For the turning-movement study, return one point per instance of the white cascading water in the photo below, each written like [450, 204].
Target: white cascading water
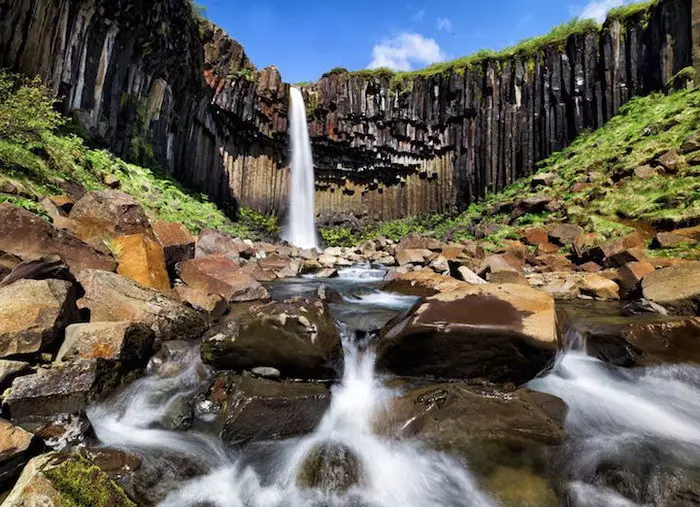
[301, 227]
[393, 472]
[639, 415]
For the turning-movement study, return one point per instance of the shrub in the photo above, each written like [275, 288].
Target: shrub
[26, 108]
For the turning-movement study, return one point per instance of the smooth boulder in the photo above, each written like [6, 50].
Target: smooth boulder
[330, 467]
[298, 337]
[34, 314]
[142, 259]
[113, 298]
[108, 214]
[676, 288]
[126, 341]
[216, 274]
[499, 332]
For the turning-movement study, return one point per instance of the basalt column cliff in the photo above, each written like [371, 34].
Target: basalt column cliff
[152, 80]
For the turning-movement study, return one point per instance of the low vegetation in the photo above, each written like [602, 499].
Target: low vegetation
[610, 181]
[38, 158]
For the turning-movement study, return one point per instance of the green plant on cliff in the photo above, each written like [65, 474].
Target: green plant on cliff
[626, 11]
[245, 73]
[26, 108]
[37, 160]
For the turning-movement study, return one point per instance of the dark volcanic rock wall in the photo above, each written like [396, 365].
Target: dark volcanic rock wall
[153, 82]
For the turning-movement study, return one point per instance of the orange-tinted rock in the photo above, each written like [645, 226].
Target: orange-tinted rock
[689, 232]
[412, 256]
[546, 249]
[676, 288]
[422, 283]
[108, 214]
[535, 236]
[630, 277]
[415, 241]
[502, 262]
[212, 305]
[217, 274]
[554, 263]
[282, 267]
[27, 235]
[177, 243]
[671, 240]
[512, 277]
[142, 259]
[119, 341]
[598, 286]
[213, 242]
[590, 267]
[564, 234]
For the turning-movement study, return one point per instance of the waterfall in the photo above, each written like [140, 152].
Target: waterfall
[301, 229]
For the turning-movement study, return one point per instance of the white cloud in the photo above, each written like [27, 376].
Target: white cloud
[419, 15]
[444, 24]
[597, 9]
[405, 49]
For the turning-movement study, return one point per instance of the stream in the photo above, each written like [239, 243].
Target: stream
[639, 424]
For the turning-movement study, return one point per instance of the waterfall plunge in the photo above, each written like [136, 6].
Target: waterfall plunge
[301, 229]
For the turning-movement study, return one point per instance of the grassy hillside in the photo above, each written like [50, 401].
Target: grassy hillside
[38, 156]
[595, 181]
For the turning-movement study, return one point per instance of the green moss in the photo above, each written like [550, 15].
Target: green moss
[82, 484]
[247, 74]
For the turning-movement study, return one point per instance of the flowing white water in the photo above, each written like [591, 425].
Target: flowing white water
[393, 472]
[641, 418]
[301, 228]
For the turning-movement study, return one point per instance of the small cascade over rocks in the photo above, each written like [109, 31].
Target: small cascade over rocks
[301, 227]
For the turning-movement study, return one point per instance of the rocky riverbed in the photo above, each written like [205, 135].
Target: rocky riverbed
[143, 365]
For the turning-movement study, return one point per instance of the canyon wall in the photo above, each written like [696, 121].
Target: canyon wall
[152, 81]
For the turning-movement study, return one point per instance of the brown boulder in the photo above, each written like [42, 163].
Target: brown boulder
[113, 298]
[282, 267]
[411, 256]
[177, 243]
[414, 241]
[108, 214]
[118, 341]
[212, 305]
[422, 283]
[213, 242]
[598, 286]
[535, 236]
[27, 235]
[142, 259]
[17, 447]
[217, 274]
[630, 277]
[671, 240]
[34, 314]
[546, 248]
[298, 337]
[676, 288]
[501, 332]
[618, 252]
[564, 234]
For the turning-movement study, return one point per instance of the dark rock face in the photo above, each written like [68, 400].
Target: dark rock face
[260, 409]
[298, 337]
[135, 75]
[330, 467]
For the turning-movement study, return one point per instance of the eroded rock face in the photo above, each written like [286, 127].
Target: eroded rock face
[424, 283]
[34, 314]
[297, 336]
[501, 332]
[28, 235]
[177, 243]
[260, 409]
[113, 298]
[17, 447]
[142, 259]
[128, 342]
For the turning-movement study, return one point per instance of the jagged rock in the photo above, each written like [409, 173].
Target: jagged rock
[8, 262]
[559, 285]
[645, 172]
[676, 288]
[421, 283]
[212, 305]
[618, 252]
[9, 369]
[546, 248]
[17, 447]
[564, 234]
[501, 262]
[691, 143]
[57, 479]
[669, 160]
[411, 256]
[543, 180]
[260, 409]
[266, 372]
[414, 241]
[43, 268]
[213, 242]
[34, 314]
[27, 235]
[282, 267]
[177, 243]
[297, 336]
[330, 467]
[35, 399]
[671, 240]
[643, 340]
[217, 274]
[535, 236]
[113, 298]
[108, 214]
[116, 463]
[127, 342]
[501, 332]
[142, 259]
[641, 307]
[469, 276]
[630, 277]
[512, 277]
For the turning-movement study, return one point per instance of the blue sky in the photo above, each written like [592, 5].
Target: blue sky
[304, 39]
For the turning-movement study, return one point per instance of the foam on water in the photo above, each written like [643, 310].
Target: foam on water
[382, 299]
[363, 273]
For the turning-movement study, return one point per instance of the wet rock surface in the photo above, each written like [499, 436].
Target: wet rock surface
[330, 467]
[298, 337]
